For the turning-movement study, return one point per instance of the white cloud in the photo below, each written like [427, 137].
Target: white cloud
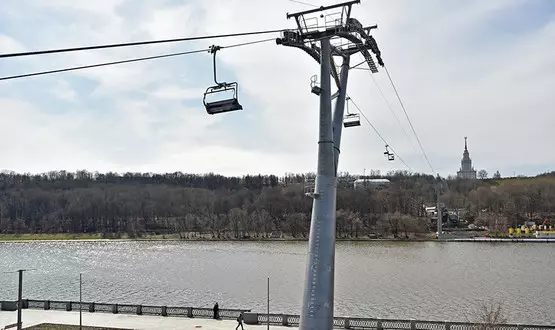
[10, 45]
[174, 92]
[453, 83]
[174, 21]
[63, 90]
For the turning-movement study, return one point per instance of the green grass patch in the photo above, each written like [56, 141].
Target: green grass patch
[54, 237]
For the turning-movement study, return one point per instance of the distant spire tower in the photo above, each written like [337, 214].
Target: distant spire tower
[466, 171]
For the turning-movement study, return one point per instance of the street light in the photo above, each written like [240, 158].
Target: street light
[80, 304]
[19, 295]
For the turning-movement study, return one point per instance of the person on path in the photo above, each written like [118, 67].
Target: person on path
[240, 322]
[216, 311]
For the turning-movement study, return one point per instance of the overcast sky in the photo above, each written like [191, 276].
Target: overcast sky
[482, 69]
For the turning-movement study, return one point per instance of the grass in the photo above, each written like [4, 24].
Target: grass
[56, 237]
[51, 326]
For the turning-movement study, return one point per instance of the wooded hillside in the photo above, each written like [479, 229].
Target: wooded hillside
[250, 206]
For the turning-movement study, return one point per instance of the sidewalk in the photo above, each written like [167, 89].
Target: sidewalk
[34, 317]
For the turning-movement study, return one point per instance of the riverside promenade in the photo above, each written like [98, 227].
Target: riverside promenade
[121, 316]
[139, 322]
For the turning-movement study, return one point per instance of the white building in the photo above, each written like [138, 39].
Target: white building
[371, 183]
[431, 211]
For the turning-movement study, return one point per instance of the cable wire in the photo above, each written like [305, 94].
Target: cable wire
[408, 118]
[378, 133]
[390, 108]
[310, 5]
[304, 3]
[139, 43]
[128, 61]
[357, 66]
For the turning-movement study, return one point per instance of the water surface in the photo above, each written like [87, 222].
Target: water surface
[425, 280]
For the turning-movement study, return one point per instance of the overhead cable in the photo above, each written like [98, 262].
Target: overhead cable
[378, 133]
[304, 3]
[128, 61]
[390, 108]
[408, 119]
[139, 43]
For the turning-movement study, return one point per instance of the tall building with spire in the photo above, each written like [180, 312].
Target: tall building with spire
[466, 171]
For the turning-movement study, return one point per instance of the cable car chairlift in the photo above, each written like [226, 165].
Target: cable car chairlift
[314, 88]
[390, 156]
[224, 105]
[351, 119]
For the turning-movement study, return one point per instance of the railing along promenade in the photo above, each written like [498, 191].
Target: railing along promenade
[260, 318]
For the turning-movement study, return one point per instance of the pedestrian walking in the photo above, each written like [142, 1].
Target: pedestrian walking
[240, 322]
[216, 311]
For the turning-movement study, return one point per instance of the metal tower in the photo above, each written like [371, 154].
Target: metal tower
[339, 35]
[439, 210]
[441, 186]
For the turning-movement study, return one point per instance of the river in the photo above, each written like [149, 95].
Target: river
[420, 280]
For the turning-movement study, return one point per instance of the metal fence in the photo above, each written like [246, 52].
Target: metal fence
[123, 308]
[388, 324]
[275, 319]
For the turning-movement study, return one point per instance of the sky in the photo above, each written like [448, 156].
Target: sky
[481, 69]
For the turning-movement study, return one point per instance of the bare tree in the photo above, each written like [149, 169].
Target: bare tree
[482, 174]
[488, 314]
[194, 205]
[236, 216]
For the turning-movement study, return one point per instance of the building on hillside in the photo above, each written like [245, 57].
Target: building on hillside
[372, 184]
[466, 171]
[431, 211]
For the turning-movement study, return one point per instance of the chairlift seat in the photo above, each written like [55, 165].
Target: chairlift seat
[390, 155]
[351, 120]
[316, 90]
[222, 106]
[225, 105]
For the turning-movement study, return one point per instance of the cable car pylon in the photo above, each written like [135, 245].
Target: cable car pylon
[318, 293]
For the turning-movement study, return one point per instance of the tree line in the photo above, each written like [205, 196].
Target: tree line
[252, 206]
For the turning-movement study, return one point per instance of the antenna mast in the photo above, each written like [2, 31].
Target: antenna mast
[338, 35]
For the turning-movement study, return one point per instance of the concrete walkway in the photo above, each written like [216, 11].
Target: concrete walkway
[34, 317]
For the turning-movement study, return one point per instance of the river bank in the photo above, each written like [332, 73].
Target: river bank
[176, 237]
[4, 238]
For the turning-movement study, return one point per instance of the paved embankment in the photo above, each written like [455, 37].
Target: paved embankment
[34, 317]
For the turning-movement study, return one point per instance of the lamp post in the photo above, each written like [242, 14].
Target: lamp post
[80, 304]
[268, 321]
